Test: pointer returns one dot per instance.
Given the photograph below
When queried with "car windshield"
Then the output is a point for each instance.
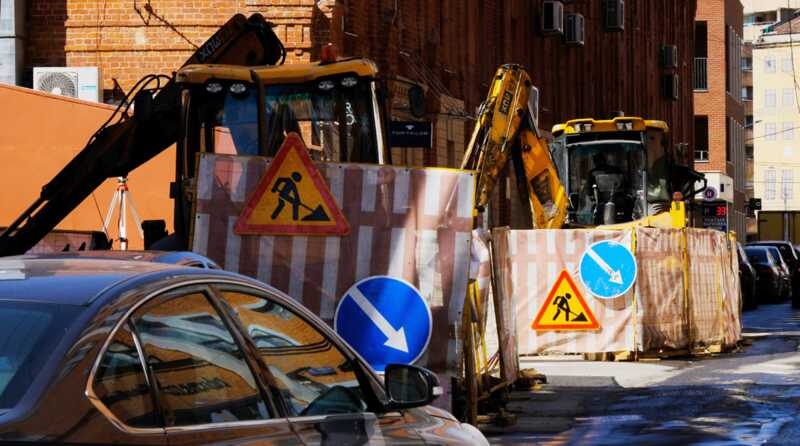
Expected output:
(335, 119)
(29, 333)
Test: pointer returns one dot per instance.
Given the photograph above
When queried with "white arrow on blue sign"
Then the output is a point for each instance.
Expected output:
(386, 320)
(608, 269)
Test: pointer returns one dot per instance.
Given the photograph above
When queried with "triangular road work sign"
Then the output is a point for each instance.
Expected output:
(565, 308)
(292, 198)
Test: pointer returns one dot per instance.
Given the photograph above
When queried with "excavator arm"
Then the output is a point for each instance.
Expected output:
(507, 126)
(126, 142)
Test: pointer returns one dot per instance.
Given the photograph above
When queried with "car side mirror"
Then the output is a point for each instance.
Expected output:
(410, 386)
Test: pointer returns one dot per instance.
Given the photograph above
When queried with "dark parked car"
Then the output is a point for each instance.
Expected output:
(130, 352)
(784, 267)
(770, 280)
(792, 259)
(747, 280)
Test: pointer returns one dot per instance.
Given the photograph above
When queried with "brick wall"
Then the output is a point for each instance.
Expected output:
(452, 47)
(719, 105)
(129, 39)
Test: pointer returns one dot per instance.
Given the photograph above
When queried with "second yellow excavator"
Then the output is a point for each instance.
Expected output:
(612, 173)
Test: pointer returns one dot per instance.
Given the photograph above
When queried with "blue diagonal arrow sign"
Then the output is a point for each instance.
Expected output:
(608, 269)
(385, 319)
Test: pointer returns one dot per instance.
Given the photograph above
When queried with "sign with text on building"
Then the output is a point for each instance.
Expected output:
(411, 134)
(292, 198)
(715, 215)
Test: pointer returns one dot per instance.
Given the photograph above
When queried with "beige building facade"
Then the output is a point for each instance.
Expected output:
(776, 116)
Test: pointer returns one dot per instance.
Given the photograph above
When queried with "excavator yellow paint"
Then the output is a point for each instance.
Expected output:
(290, 73)
(507, 122)
(576, 126)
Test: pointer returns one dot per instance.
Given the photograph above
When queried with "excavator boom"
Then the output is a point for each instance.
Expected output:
(121, 146)
(507, 126)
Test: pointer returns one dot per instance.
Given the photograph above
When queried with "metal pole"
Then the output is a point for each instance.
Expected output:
(122, 189)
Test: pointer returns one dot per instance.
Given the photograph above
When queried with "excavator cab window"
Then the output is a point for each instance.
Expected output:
(334, 117)
(614, 177)
(600, 174)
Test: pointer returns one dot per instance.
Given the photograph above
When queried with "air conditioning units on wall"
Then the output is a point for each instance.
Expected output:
(574, 30)
(614, 15)
(552, 17)
(669, 56)
(74, 82)
(670, 86)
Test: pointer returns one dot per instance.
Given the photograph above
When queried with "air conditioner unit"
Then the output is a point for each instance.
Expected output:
(669, 56)
(552, 17)
(670, 86)
(74, 82)
(614, 15)
(573, 30)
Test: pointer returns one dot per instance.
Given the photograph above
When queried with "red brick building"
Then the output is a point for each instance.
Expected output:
(719, 106)
(452, 47)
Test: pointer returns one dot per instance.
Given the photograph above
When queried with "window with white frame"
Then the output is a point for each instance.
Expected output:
(770, 130)
(788, 130)
(787, 177)
(786, 65)
(769, 64)
(788, 97)
(769, 184)
(770, 98)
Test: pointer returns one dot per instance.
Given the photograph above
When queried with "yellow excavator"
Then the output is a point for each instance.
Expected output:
(614, 173)
(234, 95)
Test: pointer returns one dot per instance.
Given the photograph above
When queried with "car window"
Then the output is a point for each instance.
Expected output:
(121, 385)
(27, 343)
(312, 375)
(787, 252)
(199, 369)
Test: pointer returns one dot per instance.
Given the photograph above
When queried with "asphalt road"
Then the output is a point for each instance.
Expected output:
(750, 397)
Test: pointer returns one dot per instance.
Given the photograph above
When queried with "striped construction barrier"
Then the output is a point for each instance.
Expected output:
(407, 223)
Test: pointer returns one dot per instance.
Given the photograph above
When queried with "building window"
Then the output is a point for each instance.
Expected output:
(769, 184)
(788, 130)
(747, 64)
(701, 138)
(787, 177)
(770, 98)
(769, 64)
(770, 130)
(748, 121)
(748, 151)
(700, 71)
(761, 17)
(787, 97)
(786, 65)
(747, 93)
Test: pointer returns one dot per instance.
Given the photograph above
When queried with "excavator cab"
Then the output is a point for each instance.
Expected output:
(614, 171)
(241, 110)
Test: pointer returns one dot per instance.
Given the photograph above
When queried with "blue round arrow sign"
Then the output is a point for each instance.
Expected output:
(608, 269)
(386, 320)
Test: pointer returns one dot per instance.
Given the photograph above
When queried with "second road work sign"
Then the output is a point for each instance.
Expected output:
(386, 320)
(608, 269)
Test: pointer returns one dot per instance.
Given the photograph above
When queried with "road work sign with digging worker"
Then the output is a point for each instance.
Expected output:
(565, 308)
(292, 198)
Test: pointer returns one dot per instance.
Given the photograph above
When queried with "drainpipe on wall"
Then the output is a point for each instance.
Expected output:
(12, 41)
